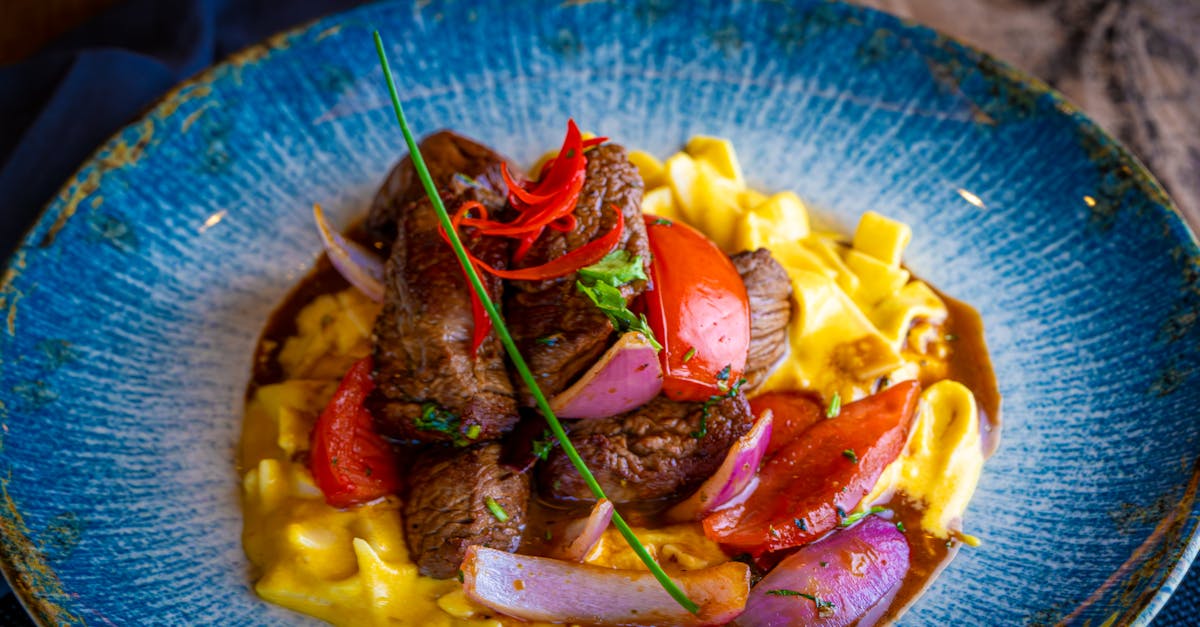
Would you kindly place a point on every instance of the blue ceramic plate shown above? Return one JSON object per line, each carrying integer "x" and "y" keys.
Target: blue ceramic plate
{"x": 128, "y": 318}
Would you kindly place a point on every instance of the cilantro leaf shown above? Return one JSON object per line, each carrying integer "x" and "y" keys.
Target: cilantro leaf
{"x": 611, "y": 302}
{"x": 616, "y": 269}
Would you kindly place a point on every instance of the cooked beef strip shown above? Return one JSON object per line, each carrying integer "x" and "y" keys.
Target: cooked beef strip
{"x": 446, "y": 510}
{"x": 649, "y": 453}
{"x": 554, "y": 309}
{"x": 770, "y": 292}
{"x": 430, "y": 386}
{"x": 446, "y": 154}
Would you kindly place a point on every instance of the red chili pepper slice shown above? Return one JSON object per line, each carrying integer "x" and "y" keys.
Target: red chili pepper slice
{"x": 549, "y": 202}
{"x": 482, "y": 321}
{"x": 562, "y": 205}
{"x": 585, "y": 255}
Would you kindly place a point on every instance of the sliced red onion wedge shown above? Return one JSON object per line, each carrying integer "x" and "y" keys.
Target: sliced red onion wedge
{"x": 555, "y": 591}
{"x": 832, "y": 582}
{"x": 626, "y": 377}
{"x": 359, "y": 265}
{"x": 733, "y": 478}
{"x": 584, "y": 534}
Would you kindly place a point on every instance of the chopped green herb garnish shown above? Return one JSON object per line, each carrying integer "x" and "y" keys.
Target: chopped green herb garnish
{"x": 708, "y": 405}
{"x": 663, "y": 222}
{"x": 840, "y": 512}
{"x": 800, "y": 524}
{"x": 950, "y": 337}
{"x": 460, "y": 575}
{"x": 466, "y": 180}
{"x": 853, "y": 518}
{"x": 333, "y": 460}
{"x": 824, "y": 564}
{"x": 835, "y": 406}
{"x": 900, "y": 526}
{"x": 434, "y": 418}
{"x": 689, "y": 355}
{"x": 723, "y": 375}
{"x": 824, "y": 608}
{"x": 549, "y": 340}
{"x": 549, "y": 535}
{"x": 543, "y": 445}
{"x": 473, "y": 431}
{"x": 850, "y": 455}
{"x": 610, "y": 301}
{"x": 495, "y": 509}
{"x": 616, "y": 269}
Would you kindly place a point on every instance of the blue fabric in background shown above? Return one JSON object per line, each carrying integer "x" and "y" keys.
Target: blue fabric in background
{"x": 60, "y": 105}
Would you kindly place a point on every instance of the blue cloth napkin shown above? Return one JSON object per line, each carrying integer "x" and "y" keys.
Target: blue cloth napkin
{"x": 58, "y": 106}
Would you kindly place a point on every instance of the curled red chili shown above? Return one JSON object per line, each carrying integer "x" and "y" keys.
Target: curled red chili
{"x": 548, "y": 202}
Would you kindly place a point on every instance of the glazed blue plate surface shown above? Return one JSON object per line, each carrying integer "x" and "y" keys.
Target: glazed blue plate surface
{"x": 129, "y": 316}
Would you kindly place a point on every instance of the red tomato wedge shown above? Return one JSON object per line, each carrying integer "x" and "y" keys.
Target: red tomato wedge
{"x": 828, "y": 468}
{"x": 350, "y": 462}
{"x": 698, "y": 310}
{"x": 794, "y": 413}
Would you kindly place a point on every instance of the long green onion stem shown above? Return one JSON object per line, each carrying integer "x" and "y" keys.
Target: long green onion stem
{"x": 506, "y": 339}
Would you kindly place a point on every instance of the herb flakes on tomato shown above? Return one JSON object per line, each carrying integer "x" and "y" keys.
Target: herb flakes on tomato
{"x": 698, "y": 309}
{"x": 350, "y": 462}
{"x": 809, "y": 479}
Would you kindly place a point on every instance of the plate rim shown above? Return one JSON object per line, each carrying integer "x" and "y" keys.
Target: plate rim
{"x": 13, "y": 533}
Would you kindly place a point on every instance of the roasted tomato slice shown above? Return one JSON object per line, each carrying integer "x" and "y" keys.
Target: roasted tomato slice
{"x": 809, "y": 485}
{"x": 794, "y": 413}
{"x": 698, "y": 310}
{"x": 350, "y": 462}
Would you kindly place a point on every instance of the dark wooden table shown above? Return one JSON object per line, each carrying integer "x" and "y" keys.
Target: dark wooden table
{"x": 1131, "y": 65}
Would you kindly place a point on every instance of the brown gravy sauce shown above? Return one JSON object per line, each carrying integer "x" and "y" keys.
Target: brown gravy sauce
{"x": 968, "y": 363}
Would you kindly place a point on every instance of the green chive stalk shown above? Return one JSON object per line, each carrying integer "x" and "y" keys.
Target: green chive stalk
{"x": 510, "y": 346}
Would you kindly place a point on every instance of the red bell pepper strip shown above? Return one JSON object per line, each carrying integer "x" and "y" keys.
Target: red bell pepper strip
{"x": 807, "y": 487}
{"x": 350, "y": 462}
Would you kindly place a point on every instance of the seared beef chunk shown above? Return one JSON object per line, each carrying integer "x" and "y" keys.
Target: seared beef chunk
{"x": 573, "y": 332}
{"x": 657, "y": 450}
{"x": 446, "y": 155}
{"x": 447, "y": 510}
{"x": 770, "y": 291}
{"x": 430, "y": 386}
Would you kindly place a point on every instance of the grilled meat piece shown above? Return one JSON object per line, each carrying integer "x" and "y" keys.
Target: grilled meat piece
{"x": 430, "y": 386}
{"x": 770, "y": 292}
{"x": 572, "y": 330}
{"x": 652, "y": 452}
{"x": 446, "y": 154}
{"x": 447, "y": 510}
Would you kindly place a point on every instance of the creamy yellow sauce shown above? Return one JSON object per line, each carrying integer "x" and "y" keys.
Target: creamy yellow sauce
{"x": 853, "y": 324}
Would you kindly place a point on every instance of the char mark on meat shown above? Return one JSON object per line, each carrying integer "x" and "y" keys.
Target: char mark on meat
{"x": 770, "y": 292}
{"x": 447, "y": 507}
{"x": 458, "y": 166}
{"x": 661, "y": 449}
{"x": 559, "y": 330}
{"x": 429, "y": 385}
